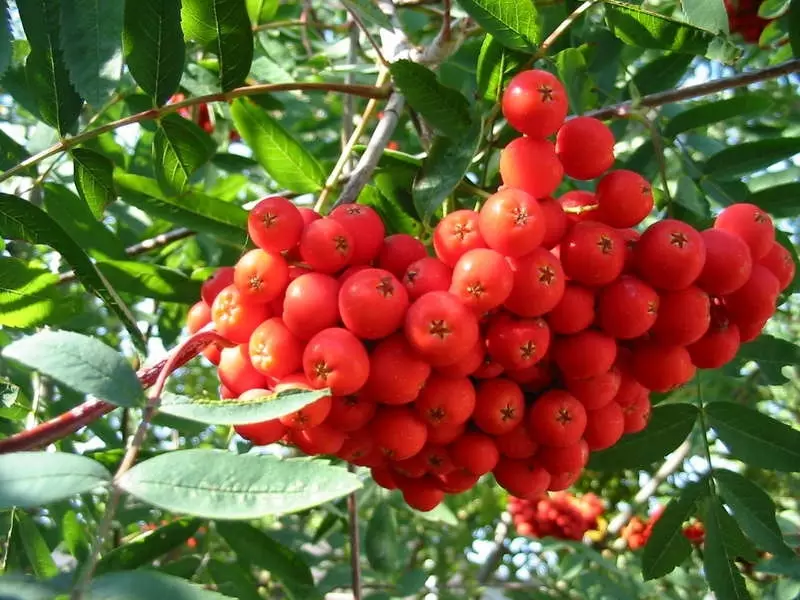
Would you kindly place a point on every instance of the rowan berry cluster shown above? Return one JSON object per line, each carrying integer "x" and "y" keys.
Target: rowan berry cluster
{"x": 637, "y": 531}
{"x": 532, "y": 336}
{"x": 559, "y": 515}
{"x": 743, "y": 19}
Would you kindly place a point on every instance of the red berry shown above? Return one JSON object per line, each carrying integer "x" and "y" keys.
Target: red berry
{"x": 322, "y": 439}
{"x": 779, "y": 260}
{"x": 604, "y": 426}
{"x": 511, "y": 222}
{"x": 585, "y": 147}
{"x": 558, "y": 459}
{"x": 440, "y": 328}
{"x": 422, "y": 494}
{"x": 275, "y": 224}
{"x": 624, "y": 199}
{"x": 557, "y": 419}
{"x": 718, "y": 346}
{"x": 365, "y": 228}
{"x": 261, "y": 276}
{"x": 555, "y": 222}
{"x": 661, "y": 368}
{"x": 334, "y": 358}
{"x": 535, "y": 103}
{"x": 274, "y": 350}
{"x": 457, "y": 481}
{"x": 637, "y": 415}
{"x": 517, "y": 443}
{"x": 522, "y": 478}
{"x": 531, "y": 165}
{"x": 311, "y": 304}
{"x": 751, "y": 224}
{"x": 446, "y": 401}
{"x": 373, "y": 303}
{"x": 326, "y": 246}
{"x": 222, "y": 278}
{"x": 398, "y": 432}
{"x": 426, "y": 275}
{"x": 436, "y": 459}
{"x": 398, "y": 252}
{"x": 350, "y": 413}
{"x": 631, "y": 238}
{"x": 578, "y": 205}
{"x": 357, "y": 447}
{"x": 499, "y": 406}
{"x": 755, "y": 300}
{"x": 198, "y": 317}
{"x": 728, "y": 262}
{"x": 456, "y": 234}
{"x": 441, "y": 435}
{"x": 517, "y": 343}
{"x": 584, "y": 354}
{"x": 670, "y": 255}
{"x": 482, "y": 280}
{"x": 384, "y": 478}
{"x": 236, "y": 372}
{"x": 262, "y": 434}
{"x": 235, "y": 318}
{"x": 476, "y": 452}
{"x": 539, "y": 283}
{"x": 468, "y": 364}
{"x": 627, "y": 308}
{"x": 561, "y": 481}
{"x": 574, "y": 312}
{"x": 310, "y": 415}
{"x": 396, "y": 372}
{"x": 592, "y": 253}
{"x": 629, "y": 390}
{"x": 683, "y": 316}
{"x": 595, "y": 392}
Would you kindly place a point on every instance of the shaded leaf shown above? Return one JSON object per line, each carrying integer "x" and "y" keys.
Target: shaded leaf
{"x": 708, "y": 14}
{"x": 75, "y": 537}
{"x": 219, "y": 485}
{"x": 708, "y": 113}
{"x": 5, "y": 38}
{"x": 94, "y": 179}
{"x": 793, "y": 25}
{"x": 36, "y": 548}
{"x": 746, "y": 158}
{"x": 83, "y": 364}
{"x": 368, "y": 13}
{"x": 781, "y": 201}
{"x": 146, "y": 585}
{"x": 513, "y": 23}
{"x": 662, "y": 73}
{"x": 496, "y": 66}
{"x": 31, "y": 296}
{"x": 669, "y": 425}
{"x": 380, "y": 542}
{"x": 723, "y": 576}
{"x": 224, "y": 27}
{"x": 772, "y": 354}
{"x": 22, "y": 220}
{"x": 31, "y": 479}
{"x": 12, "y": 153}
{"x": 573, "y": 71}
{"x": 153, "y": 43}
{"x": 233, "y": 580}
{"x": 281, "y": 155}
{"x": 147, "y": 547}
{"x": 755, "y": 438}
{"x": 180, "y": 148}
{"x": 91, "y": 43}
{"x": 237, "y": 412}
{"x": 16, "y": 587}
{"x": 150, "y": 281}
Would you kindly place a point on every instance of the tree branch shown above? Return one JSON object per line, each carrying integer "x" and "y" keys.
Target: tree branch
{"x": 495, "y": 556}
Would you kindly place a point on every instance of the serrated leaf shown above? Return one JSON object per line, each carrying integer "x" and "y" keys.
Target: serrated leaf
{"x": 237, "y": 412}
{"x": 83, "y": 364}
{"x": 147, "y": 547}
{"x": 708, "y": 14}
{"x": 58, "y": 103}
{"x": 755, "y": 438}
{"x": 261, "y": 11}
{"x": 147, "y": 280}
{"x": 754, "y": 510}
{"x": 91, "y": 44}
{"x": 574, "y": 72}
{"x": 669, "y": 425}
{"x": 445, "y": 166}
{"x": 281, "y": 155}
{"x": 22, "y": 220}
{"x": 667, "y": 547}
{"x": 35, "y": 546}
{"x": 5, "y": 38}
{"x": 780, "y": 201}
{"x": 31, "y": 479}
{"x": 743, "y": 159}
{"x": 639, "y": 27}
{"x": 514, "y": 24}
{"x": 255, "y": 547}
{"x": 772, "y": 354}
{"x": 496, "y": 66}
{"x": 11, "y": 153}
{"x": 220, "y": 485}
{"x": 180, "y": 148}
{"x": 30, "y": 297}
{"x": 443, "y": 107}
{"x": 380, "y": 542}
{"x": 191, "y": 209}
{"x": 708, "y": 113}
{"x": 94, "y": 179}
{"x": 153, "y": 44}
{"x": 147, "y": 585}
{"x": 368, "y": 13}
{"x": 224, "y": 27}
{"x": 723, "y": 576}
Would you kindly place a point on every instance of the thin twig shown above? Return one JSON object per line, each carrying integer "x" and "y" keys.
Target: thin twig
{"x": 446, "y": 20}
{"x": 373, "y": 42}
{"x": 495, "y": 556}
{"x": 355, "y": 542}
{"x": 561, "y": 29}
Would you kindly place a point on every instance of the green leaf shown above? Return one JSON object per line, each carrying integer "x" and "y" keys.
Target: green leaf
{"x": 224, "y": 27}
{"x": 755, "y": 438}
{"x": 30, "y": 297}
{"x": 708, "y": 14}
{"x": 662, "y": 73}
{"x": 781, "y": 565}
{"x": 261, "y": 11}
{"x": 36, "y": 548}
{"x": 236, "y": 412}
{"x": 147, "y": 585}
{"x": 74, "y": 534}
{"x": 281, "y": 155}
{"x": 150, "y": 281}
{"x": 58, "y": 103}
{"x": 191, "y": 209}
{"x": 441, "y": 514}
{"x": 83, "y": 364}
{"x": 772, "y": 354}
{"x": 180, "y": 148}
{"x": 496, "y": 66}
{"x": 380, "y": 542}
{"x": 220, "y": 485}
{"x": 255, "y": 547}
{"x": 80, "y": 223}
{"x": 153, "y": 44}
{"x": 639, "y": 27}
{"x": 5, "y": 38}
{"x": 514, "y": 24}
{"x": 772, "y": 9}
{"x": 16, "y": 587}
{"x": 781, "y": 201}
{"x": 12, "y": 153}
{"x": 447, "y": 161}
{"x": 667, "y": 547}
{"x": 22, "y": 220}
{"x": 94, "y": 179}
{"x": 443, "y": 107}
{"x": 91, "y": 43}
{"x": 793, "y": 25}
{"x": 367, "y": 12}
{"x": 31, "y": 479}
{"x": 147, "y": 547}
{"x": 705, "y": 114}
{"x": 384, "y": 197}
{"x": 574, "y": 72}
{"x": 669, "y": 425}
{"x": 233, "y": 580}
{"x": 723, "y": 576}
{"x": 754, "y": 511}
{"x": 743, "y": 159}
